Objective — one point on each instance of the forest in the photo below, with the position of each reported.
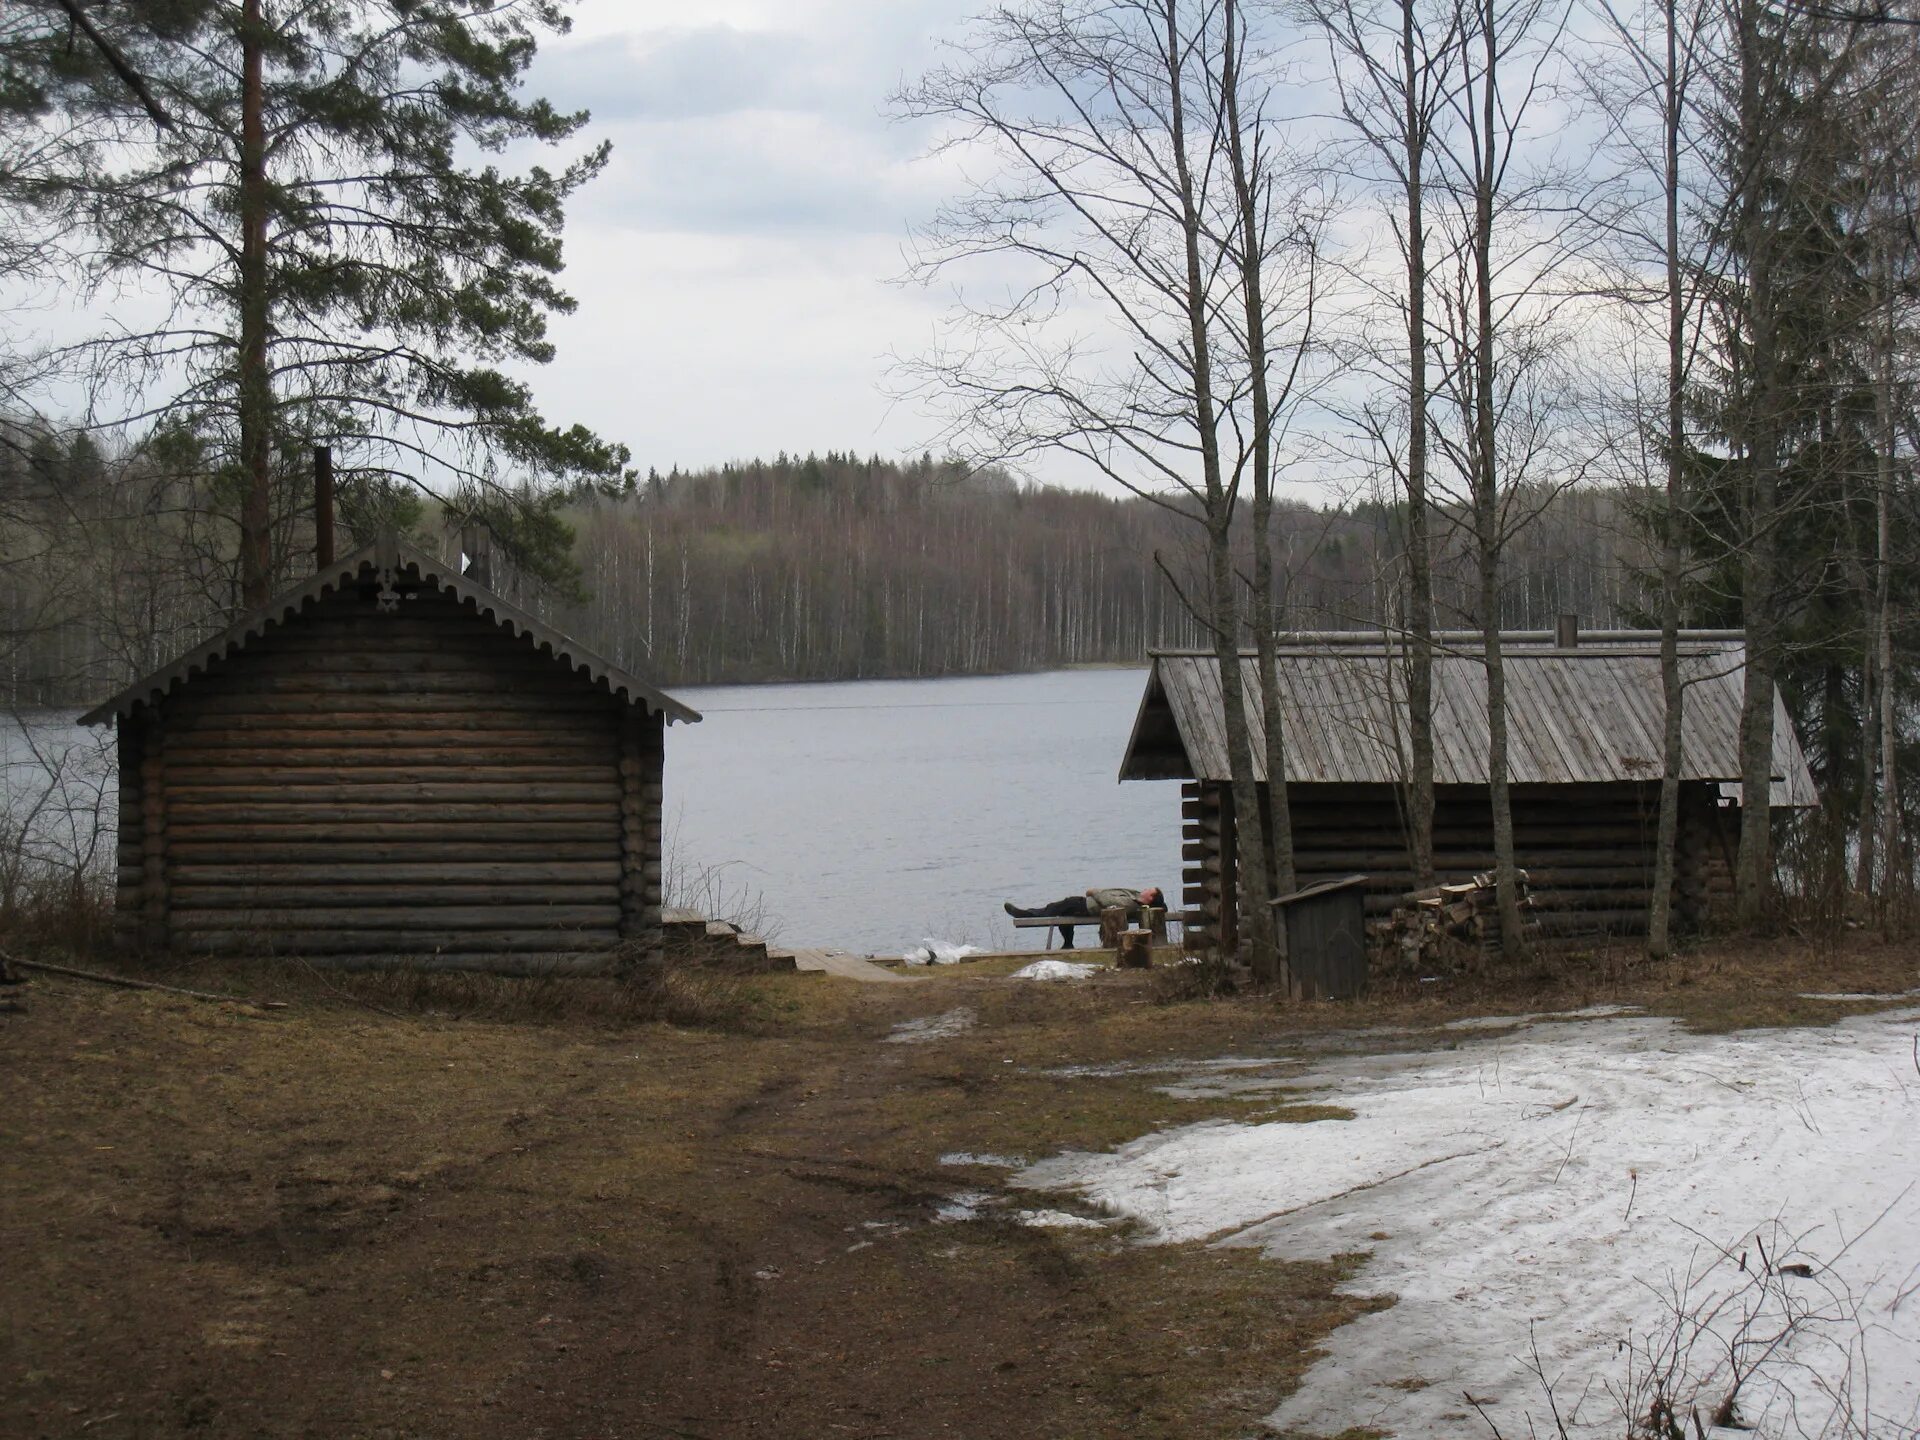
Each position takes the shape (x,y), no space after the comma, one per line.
(1400,314)
(813,568)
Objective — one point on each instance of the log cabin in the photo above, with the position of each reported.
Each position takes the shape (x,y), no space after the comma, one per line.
(390,766)
(1585,718)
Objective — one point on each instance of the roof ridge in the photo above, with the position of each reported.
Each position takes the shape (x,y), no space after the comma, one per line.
(387,552)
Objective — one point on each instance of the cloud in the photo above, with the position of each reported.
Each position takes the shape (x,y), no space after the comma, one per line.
(765,172)
(681,73)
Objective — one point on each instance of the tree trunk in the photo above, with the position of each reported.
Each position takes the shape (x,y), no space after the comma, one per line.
(1279,837)
(1486,497)
(255,382)
(1667,828)
(1419,550)
(1256,920)
(1753,862)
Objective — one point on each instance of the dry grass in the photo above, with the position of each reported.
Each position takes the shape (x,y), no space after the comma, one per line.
(473,1206)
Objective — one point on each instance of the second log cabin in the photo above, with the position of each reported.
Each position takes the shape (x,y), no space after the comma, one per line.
(1585,718)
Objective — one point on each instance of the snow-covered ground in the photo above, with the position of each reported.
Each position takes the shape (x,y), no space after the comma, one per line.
(1603,1200)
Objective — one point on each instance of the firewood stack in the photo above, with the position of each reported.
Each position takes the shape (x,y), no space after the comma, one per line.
(1450,926)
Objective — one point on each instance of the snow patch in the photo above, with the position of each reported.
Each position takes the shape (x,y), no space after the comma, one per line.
(963,1205)
(940,952)
(1550,1190)
(1054,970)
(967,1157)
(943,1026)
(1059,1220)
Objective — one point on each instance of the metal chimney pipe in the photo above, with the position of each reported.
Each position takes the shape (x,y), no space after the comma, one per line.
(322,506)
(1566,633)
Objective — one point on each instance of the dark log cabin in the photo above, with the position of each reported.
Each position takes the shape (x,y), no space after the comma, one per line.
(390,766)
(1585,719)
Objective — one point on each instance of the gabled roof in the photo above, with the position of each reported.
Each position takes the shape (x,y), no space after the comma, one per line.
(1593,713)
(390,557)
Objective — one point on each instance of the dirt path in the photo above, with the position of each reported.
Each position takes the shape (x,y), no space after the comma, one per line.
(332,1221)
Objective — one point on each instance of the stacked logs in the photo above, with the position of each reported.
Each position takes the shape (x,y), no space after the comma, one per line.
(1450,925)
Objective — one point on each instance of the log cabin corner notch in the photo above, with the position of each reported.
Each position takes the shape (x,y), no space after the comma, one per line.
(390,765)
(1585,720)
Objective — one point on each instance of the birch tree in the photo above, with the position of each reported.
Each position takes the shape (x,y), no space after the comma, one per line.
(1116,207)
(1392,69)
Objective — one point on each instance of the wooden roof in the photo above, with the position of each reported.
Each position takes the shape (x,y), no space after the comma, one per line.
(407,568)
(1586,715)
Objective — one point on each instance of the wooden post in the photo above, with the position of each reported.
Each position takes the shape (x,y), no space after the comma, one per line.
(154,927)
(1135,951)
(1154,917)
(642,753)
(322,506)
(1113,920)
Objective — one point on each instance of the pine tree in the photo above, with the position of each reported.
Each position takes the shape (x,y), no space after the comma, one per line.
(346,261)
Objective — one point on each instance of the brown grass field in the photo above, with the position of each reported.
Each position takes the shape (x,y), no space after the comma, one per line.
(459,1207)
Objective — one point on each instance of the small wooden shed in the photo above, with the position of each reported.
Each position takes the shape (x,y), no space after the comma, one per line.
(391,765)
(1585,718)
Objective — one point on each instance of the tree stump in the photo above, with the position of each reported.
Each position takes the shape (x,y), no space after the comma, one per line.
(1135,951)
(1154,917)
(1113,920)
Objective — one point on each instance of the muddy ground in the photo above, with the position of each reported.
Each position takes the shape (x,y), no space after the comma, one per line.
(496,1209)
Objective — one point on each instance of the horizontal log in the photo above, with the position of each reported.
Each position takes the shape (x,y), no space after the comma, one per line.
(332,895)
(212,709)
(438,834)
(276,792)
(339,872)
(454,745)
(1357,861)
(384,769)
(526,679)
(349,655)
(404,918)
(396,943)
(1569,835)
(343,810)
(221,848)
(296,722)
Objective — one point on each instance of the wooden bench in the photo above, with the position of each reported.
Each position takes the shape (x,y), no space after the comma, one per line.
(1050,923)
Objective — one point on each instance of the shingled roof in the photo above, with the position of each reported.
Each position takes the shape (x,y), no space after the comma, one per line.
(388,560)
(1589,714)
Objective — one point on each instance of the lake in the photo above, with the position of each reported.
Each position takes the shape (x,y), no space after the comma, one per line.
(873,814)
(867,815)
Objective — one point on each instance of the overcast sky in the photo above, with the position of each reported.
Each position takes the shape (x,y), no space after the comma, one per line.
(735,262)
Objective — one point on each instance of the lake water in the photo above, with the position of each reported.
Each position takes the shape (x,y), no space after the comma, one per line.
(873,814)
(867,815)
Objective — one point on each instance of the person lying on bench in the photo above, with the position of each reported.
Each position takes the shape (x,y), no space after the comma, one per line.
(1090,905)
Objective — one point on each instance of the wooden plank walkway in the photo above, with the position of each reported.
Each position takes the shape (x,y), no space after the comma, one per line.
(846,966)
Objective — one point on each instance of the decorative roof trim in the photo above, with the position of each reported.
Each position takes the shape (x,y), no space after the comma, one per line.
(388,553)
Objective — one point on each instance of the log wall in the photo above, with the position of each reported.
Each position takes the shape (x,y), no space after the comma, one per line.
(1587,849)
(362,786)
(1207,855)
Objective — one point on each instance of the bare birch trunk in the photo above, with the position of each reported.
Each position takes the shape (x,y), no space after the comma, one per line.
(1419,548)
(256,386)
(1895,878)
(1279,818)
(1256,919)
(1673,695)
(1486,496)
